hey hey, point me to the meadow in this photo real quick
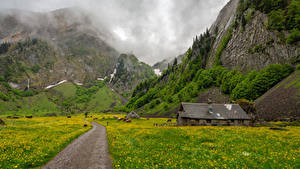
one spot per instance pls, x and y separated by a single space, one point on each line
30 143
141 145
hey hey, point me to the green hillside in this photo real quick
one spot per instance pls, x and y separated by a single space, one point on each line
104 99
185 81
66 98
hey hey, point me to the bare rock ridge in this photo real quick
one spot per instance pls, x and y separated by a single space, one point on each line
251 47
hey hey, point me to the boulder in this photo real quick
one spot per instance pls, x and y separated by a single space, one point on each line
133 115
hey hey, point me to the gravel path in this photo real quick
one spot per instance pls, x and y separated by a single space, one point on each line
89 151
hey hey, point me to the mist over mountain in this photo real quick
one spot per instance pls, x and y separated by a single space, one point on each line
152 30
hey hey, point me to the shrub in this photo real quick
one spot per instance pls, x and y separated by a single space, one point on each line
230 80
4 97
256 84
204 80
35 68
243 90
298 67
293 37
276 20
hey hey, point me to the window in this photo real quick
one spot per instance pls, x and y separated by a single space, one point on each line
208 121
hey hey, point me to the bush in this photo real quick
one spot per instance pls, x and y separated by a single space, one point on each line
243 90
230 80
298 67
204 79
276 20
256 84
2 78
294 37
35 68
4 97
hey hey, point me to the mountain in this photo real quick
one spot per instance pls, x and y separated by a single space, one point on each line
44 48
163 65
251 47
65 98
129 72
253 34
40 52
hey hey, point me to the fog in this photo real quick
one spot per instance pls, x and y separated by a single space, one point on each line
151 29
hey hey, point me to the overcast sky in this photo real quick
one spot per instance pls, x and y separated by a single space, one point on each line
152 29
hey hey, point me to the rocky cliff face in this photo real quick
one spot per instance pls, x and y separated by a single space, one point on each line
129 71
251 46
48 47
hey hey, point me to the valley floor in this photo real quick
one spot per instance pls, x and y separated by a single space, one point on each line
141 145
30 143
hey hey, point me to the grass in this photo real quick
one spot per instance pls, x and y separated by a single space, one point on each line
66 89
141 145
103 99
34 105
50 101
223 44
30 143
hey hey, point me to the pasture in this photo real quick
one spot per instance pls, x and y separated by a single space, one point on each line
30 143
139 144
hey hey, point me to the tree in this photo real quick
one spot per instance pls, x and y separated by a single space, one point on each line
175 62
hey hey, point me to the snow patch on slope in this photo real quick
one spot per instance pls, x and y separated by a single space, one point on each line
157 72
51 86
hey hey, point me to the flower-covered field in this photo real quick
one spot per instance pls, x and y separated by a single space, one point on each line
141 145
30 143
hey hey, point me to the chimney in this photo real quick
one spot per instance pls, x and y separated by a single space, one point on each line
210 110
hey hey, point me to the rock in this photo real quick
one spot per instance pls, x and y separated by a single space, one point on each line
133 115
2 122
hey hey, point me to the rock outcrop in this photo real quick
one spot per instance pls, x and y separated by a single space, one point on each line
252 46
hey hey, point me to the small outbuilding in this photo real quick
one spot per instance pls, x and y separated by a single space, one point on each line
133 115
203 114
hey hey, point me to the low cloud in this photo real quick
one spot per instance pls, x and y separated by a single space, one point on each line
151 29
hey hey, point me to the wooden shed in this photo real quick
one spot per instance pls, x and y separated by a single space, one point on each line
212 115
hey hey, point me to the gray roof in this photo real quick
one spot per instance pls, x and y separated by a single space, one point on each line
212 111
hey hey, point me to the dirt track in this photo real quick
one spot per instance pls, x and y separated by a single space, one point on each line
89 151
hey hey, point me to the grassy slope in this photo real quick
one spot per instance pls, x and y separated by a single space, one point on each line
42 103
66 89
141 145
34 105
103 99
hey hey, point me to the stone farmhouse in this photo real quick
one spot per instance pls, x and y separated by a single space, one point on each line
203 114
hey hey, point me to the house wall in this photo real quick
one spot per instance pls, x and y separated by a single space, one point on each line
203 122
